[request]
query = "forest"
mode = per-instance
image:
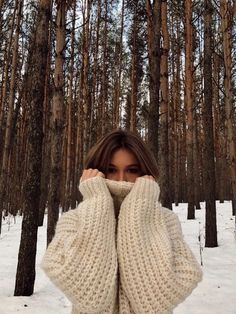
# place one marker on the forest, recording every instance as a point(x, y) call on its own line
point(71, 71)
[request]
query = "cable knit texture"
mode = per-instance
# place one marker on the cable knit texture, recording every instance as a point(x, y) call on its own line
point(128, 259)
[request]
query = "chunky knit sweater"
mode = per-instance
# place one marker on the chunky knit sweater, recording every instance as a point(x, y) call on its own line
point(121, 252)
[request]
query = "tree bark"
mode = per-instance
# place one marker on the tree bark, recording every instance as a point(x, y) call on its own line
point(134, 79)
point(163, 158)
point(226, 10)
point(4, 175)
point(103, 104)
point(176, 115)
point(117, 93)
point(45, 174)
point(68, 186)
point(154, 56)
point(57, 123)
point(209, 163)
point(5, 78)
point(188, 93)
point(25, 276)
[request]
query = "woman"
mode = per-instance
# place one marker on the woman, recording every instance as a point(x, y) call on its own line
point(120, 251)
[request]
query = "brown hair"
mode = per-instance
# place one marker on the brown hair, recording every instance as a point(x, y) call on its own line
point(100, 155)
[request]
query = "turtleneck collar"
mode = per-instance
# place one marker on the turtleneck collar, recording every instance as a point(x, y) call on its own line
point(118, 190)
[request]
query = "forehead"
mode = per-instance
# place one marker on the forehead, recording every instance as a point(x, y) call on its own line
point(123, 155)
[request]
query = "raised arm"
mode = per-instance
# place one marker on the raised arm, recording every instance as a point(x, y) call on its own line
point(81, 259)
point(156, 274)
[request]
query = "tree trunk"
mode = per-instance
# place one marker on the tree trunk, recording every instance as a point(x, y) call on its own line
point(45, 174)
point(5, 78)
point(226, 10)
point(57, 123)
point(68, 190)
point(196, 163)
point(209, 163)
point(85, 100)
point(4, 175)
point(176, 127)
point(134, 79)
point(163, 153)
point(103, 104)
point(25, 276)
point(117, 92)
point(154, 56)
point(1, 14)
point(95, 81)
point(189, 105)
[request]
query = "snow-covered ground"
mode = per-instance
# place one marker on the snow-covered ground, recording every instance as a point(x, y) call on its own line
point(214, 295)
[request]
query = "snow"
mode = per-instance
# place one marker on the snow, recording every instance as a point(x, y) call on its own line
point(215, 294)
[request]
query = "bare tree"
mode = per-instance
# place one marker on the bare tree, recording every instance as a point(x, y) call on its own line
point(57, 122)
point(209, 162)
point(4, 176)
point(117, 92)
point(25, 276)
point(69, 132)
point(153, 9)
point(163, 153)
point(226, 10)
point(188, 93)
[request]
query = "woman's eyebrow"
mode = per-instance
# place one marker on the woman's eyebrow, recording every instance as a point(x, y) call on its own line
point(133, 165)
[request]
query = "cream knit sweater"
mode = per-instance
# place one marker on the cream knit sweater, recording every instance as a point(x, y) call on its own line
point(136, 263)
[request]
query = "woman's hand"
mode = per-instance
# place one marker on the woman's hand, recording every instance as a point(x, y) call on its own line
point(91, 173)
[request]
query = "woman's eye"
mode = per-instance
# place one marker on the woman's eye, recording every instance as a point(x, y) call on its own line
point(111, 170)
point(133, 170)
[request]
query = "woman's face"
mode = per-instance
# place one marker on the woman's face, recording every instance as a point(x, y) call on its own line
point(123, 166)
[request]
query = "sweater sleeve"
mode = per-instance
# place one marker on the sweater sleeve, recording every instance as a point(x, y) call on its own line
point(157, 271)
point(81, 259)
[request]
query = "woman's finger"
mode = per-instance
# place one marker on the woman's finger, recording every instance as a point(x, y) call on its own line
point(91, 173)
